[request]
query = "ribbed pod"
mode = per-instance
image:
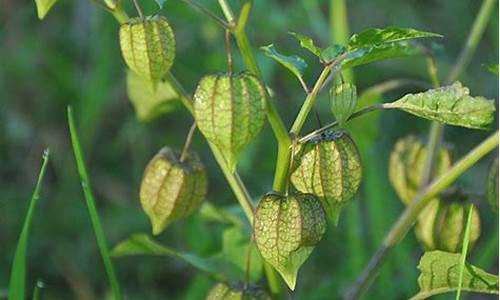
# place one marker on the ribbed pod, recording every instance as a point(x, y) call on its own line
point(344, 98)
point(329, 166)
point(230, 111)
point(441, 225)
point(286, 229)
point(171, 189)
point(407, 163)
point(148, 46)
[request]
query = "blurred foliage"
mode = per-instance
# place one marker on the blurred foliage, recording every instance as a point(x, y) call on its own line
point(73, 57)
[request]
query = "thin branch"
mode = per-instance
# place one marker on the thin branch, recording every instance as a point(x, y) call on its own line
point(138, 8)
point(207, 12)
point(189, 139)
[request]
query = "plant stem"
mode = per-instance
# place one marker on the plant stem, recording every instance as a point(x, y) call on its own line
point(409, 216)
point(207, 12)
point(228, 13)
point(94, 216)
point(138, 8)
point(120, 15)
point(465, 246)
point(473, 39)
point(189, 139)
point(340, 28)
point(228, 52)
point(309, 102)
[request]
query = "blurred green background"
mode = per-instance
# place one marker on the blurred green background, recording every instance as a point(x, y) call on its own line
point(73, 57)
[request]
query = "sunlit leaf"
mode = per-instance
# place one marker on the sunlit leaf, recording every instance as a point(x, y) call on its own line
point(150, 103)
point(364, 56)
point(43, 7)
point(440, 274)
point(451, 105)
point(307, 43)
point(377, 36)
point(293, 63)
point(142, 244)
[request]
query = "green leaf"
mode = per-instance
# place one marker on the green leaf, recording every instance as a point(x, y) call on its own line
point(451, 105)
point(148, 102)
point(212, 213)
point(493, 68)
point(43, 7)
point(364, 56)
point(307, 43)
point(293, 62)
point(91, 206)
point(440, 274)
point(17, 283)
point(142, 244)
point(377, 36)
point(332, 52)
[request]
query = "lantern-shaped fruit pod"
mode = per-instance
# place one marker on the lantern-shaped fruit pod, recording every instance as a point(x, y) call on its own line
point(230, 111)
point(492, 186)
point(328, 166)
point(344, 99)
point(236, 291)
point(148, 46)
point(286, 229)
point(171, 188)
point(442, 223)
point(407, 163)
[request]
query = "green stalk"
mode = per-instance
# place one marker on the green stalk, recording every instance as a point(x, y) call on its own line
point(94, 216)
point(409, 216)
point(340, 29)
point(463, 256)
point(17, 282)
point(309, 102)
point(473, 39)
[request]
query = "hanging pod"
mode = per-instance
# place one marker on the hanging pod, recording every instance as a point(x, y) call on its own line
point(441, 225)
point(236, 291)
point(230, 110)
point(172, 189)
point(148, 46)
point(407, 163)
point(343, 99)
point(328, 166)
point(286, 230)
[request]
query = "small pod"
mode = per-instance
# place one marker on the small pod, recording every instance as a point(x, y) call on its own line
point(236, 291)
point(407, 163)
point(286, 230)
point(148, 46)
point(230, 110)
point(441, 225)
point(172, 189)
point(343, 99)
point(492, 186)
point(328, 166)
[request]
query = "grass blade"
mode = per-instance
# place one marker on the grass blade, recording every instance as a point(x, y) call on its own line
point(463, 256)
point(94, 216)
point(37, 291)
point(17, 284)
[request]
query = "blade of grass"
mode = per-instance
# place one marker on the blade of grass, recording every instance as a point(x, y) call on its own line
point(37, 291)
point(465, 245)
point(94, 216)
point(17, 284)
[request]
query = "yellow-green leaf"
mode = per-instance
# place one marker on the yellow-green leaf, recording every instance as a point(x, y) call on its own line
point(440, 272)
point(451, 105)
point(43, 7)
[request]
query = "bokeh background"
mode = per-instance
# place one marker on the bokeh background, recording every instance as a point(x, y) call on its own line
point(73, 57)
